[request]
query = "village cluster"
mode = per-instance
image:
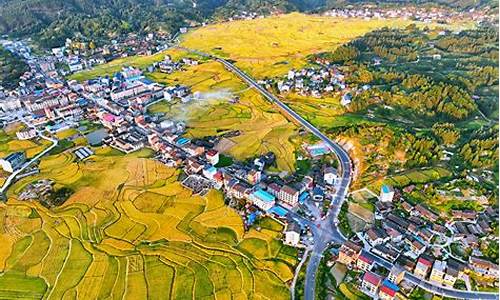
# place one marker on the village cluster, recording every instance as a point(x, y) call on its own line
point(412, 238)
point(78, 55)
point(422, 14)
point(119, 103)
point(415, 239)
point(317, 82)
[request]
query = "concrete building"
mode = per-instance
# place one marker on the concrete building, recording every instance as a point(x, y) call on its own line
point(423, 267)
point(13, 161)
point(386, 193)
point(388, 290)
point(370, 283)
point(348, 253)
point(292, 234)
point(450, 276)
point(10, 103)
point(396, 274)
point(364, 263)
point(330, 176)
point(262, 199)
point(438, 271)
point(289, 195)
point(26, 134)
point(212, 156)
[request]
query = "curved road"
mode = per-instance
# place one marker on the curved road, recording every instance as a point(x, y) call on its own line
point(326, 231)
point(12, 176)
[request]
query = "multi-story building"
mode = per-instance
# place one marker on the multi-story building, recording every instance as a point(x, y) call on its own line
point(10, 103)
point(288, 195)
point(292, 234)
point(364, 262)
point(348, 253)
point(484, 267)
point(212, 156)
point(396, 274)
point(423, 267)
point(438, 271)
point(450, 276)
point(388, 290)
point(370, 283)
point(26, 134)
point(386, 193)
point(330, 175)
point(262, 199)
point(254, 176)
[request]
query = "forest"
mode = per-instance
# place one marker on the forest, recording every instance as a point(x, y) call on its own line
point(428, 89)
point(11, 68)
point(55, 20)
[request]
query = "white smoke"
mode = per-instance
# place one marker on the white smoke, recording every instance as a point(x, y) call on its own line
point(199, 103)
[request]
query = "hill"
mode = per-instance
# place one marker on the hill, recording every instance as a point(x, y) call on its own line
point(52, 21)
point(11, 68)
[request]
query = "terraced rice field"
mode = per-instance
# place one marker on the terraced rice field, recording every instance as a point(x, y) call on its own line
point(262, 127)
point(9, 143)
point(272, 46)
point(132, 231)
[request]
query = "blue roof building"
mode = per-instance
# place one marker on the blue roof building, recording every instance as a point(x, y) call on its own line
point(262, 199)
point(278, 210)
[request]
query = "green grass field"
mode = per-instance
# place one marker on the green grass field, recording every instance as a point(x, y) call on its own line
point(132, 231)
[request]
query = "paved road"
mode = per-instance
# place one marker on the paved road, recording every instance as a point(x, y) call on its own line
point(12, 176)
point(326, 231)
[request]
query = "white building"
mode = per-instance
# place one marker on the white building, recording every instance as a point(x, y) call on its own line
point(386, 193)
point(330, 176)
point(438, 271)
point(292, 234)
point(212, 156)
point(26, 134)
point(262, 199)
point(289, 195)
point(13, 161)
point(10, 103)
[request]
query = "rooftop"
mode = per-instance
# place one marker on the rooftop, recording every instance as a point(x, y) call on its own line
point(372, 278)
point(264, 196)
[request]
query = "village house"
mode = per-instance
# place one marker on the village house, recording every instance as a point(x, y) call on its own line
point(370, 283)
point(396, 274)
point(386, 193)
point(438, 271)
point(423, 267)
point(388, 290)
point(330, 176)
point(348, 253)
point(26, 134)
point(484, 267)
point(420, 210)
point(376, 236)
point(212, 156)
point(292, 234)
point(364, 262)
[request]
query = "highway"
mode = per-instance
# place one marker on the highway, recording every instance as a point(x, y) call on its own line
point(326, 231)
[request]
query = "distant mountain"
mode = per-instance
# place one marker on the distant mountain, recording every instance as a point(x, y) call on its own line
point(52, 21)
